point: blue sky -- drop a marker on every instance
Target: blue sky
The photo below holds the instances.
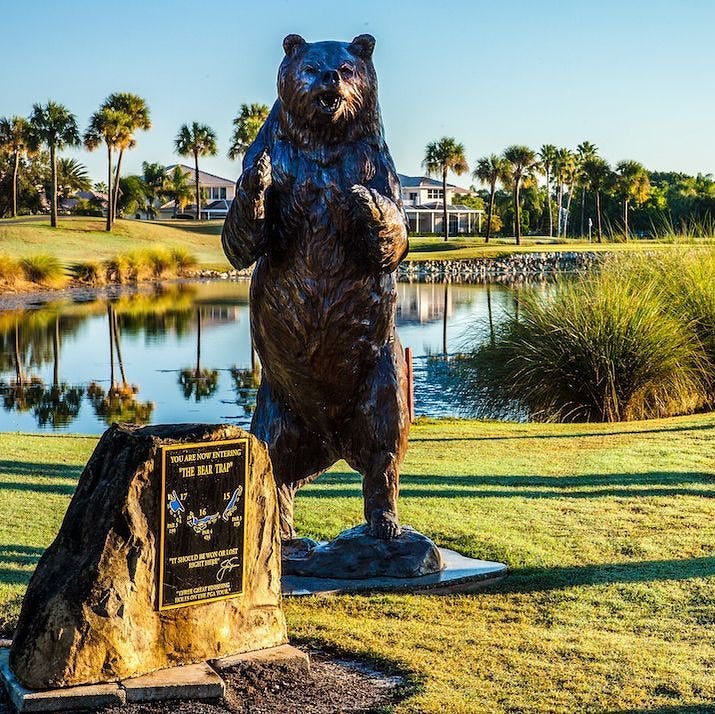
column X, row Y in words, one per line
column 635, row 77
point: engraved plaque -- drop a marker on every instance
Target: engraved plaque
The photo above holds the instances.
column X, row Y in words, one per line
column 203, row 515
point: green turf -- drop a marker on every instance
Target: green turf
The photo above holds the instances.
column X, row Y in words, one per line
column 609, row 531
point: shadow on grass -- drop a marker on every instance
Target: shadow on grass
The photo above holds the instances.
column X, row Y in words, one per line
column 57, row 489
column 623, row 485
column 43, row 470
column 530, row 580
column 13, row 558
column 678, row 709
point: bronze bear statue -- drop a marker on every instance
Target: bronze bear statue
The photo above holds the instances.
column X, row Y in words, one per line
column 318, row 208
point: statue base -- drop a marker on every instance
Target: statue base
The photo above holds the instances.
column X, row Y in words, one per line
column 356, row 555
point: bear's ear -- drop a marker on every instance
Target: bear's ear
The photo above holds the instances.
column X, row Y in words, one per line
column 292, row 43
column 362, row 46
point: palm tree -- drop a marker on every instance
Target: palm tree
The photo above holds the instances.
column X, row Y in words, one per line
column 548, row 155
column 56, row 127
column 114, row 129
column 491, row 169
column 15, row 139
column 564, row 159
column 598, row 175
column 246, row 126
column 196, row 140
column 572, row 175
column 154, row 176
column 632, row 184
column 176, row 187
column 137, row 111
column 72, row 176
column 585, row 152
column 522, row 161
column 440, row 157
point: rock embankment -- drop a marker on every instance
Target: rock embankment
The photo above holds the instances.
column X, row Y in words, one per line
column 507, row 268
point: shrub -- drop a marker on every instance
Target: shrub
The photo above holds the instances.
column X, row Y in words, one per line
column 10, row 269
column 115, row 269
column 43, row 269
column 159, row 261
column 183, row 260
column 606, row 347
column 89, row 272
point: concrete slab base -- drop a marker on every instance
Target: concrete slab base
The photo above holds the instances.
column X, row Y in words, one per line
column 460, row 575
column 91, row 696
column 189, row 682
column 281, row 655
column 192, row 681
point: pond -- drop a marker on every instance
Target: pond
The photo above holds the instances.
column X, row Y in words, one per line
column 182, row 353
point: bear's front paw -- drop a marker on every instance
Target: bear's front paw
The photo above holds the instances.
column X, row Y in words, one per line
column 384, row 525
column 367, row 204
column 259, row 176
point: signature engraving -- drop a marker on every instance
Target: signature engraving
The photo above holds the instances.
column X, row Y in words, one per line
column 226, row 567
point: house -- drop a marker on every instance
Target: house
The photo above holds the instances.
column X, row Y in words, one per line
column 422, row 199
column 216, row 194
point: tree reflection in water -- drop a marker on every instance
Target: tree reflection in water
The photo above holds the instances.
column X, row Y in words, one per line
column 245, row 384
column 197, row 382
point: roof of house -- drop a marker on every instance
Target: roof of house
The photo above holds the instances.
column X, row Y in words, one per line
column 426, row 182
column 205, row 178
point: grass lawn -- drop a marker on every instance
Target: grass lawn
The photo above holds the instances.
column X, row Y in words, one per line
column 609, row 531
column 79, row 239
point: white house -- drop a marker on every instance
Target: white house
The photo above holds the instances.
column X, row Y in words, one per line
column 216, row 194
column 422, row 199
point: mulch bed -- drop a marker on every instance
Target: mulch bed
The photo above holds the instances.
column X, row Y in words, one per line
column 334, row 685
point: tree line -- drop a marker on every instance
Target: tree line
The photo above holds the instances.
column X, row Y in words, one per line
column 34, row 175
column 579, row 188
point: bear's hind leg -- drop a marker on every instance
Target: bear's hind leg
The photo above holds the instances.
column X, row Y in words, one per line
column 298, row 456
column 377, row 440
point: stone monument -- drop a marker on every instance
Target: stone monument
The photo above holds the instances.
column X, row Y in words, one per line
column 169, row 554
column 318, row 208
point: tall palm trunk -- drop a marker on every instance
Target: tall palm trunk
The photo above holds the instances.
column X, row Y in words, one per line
column 15, row 170
column 198, row 197
column 625, row 216
column 444, row 319
column 444, row 204
column 120, row 361
column 517, row 211
column 110, row 322
column 492, row 195
column 548, row 201
column 598, row 215
column 19, row 377
column 110, row 203
column 568, row 211
column 115, row 198
column 583, row 207
column 559, row 205
column 53, row 189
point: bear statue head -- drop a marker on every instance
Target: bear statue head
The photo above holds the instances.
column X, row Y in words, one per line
column 328, row 90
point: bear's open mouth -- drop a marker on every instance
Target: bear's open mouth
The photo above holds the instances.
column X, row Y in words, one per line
column 329, row 102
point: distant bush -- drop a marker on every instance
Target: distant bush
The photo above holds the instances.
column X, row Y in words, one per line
column 183, row 260
column 89, row 272
column 611, row 346
column 42, row 269
column 10, row 269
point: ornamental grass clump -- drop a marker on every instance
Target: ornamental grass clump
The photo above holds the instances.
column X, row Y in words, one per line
column 603, row 348
column 10, row 270
column 88, row 272
column 42, row 269
column 159, row 262
column 183, row 260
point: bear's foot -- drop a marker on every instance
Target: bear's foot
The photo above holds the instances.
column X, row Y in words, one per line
column 384, row 525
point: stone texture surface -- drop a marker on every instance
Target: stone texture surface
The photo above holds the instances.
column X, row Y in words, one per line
column 283, row 654
column 90, row 610
column 192, row 681
column 92, row 696
column 355, row 554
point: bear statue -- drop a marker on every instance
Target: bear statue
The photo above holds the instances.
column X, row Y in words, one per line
column 318, row 209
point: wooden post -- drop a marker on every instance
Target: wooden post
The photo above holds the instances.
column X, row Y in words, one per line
column 410, row 384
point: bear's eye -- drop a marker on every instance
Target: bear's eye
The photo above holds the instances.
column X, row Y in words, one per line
column 310, row 70
column 346, row 71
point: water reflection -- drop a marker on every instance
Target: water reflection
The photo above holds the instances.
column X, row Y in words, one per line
column 183, row 353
